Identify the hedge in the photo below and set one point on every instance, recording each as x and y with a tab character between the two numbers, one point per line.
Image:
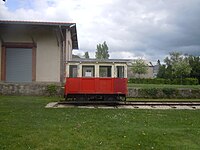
185	81
163	93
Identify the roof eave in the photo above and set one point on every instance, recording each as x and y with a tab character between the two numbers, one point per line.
71	26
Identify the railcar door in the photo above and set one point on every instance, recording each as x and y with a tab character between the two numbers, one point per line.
120	82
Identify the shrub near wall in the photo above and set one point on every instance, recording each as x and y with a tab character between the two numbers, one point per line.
163	93
148	81
186	81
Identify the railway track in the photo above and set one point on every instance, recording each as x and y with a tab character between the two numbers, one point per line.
132	104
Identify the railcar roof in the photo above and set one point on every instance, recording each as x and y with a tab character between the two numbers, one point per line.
102	61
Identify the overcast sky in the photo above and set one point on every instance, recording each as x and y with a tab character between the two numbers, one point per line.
148	29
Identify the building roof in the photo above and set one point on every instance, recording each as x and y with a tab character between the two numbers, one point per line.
35	23
62	25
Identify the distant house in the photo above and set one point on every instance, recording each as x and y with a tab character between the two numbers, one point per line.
155	70
149	74
35	52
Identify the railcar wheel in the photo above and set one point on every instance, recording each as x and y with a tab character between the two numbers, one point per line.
110	98
80	98
123	98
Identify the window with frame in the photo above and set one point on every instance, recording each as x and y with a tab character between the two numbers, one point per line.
105	71
73	71
120	71
88	71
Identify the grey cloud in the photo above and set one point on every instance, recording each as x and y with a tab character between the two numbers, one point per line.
151	27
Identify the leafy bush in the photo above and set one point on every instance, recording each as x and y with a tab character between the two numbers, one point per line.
148	81
150	92
169	92
51	89
190	81
186	81
163	93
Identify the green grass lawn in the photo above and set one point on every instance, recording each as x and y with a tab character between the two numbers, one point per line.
26	124
163	86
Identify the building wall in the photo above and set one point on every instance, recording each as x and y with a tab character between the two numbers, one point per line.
47	51
68	46
47	57
33	89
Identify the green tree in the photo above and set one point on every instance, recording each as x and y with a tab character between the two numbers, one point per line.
175	57
102	51
139	67
86	55
194	62
158	62
181	68
161	71
177	66
169	61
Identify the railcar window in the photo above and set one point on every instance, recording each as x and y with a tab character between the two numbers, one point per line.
104	71
120	71
88	71
73	71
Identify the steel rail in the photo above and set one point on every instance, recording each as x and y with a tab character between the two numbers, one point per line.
131	103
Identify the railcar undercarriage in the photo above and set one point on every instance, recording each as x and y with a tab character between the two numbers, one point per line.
95	97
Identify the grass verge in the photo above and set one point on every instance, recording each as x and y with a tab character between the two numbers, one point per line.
26	124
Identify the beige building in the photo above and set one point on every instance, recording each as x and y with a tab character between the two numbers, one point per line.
35	51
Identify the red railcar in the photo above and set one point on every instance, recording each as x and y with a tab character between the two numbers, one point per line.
96	80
